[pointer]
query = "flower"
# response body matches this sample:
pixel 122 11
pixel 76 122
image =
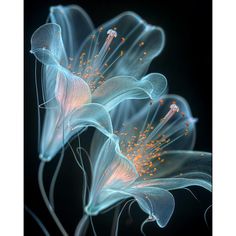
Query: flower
pixel 151 154
pixel 87 72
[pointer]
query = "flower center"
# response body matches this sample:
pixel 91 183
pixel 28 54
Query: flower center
pixel 98 58
pixel 146 146
pixel 94 63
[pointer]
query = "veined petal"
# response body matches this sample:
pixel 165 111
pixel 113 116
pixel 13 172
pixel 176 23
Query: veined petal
pixel 71 92
pixel 52 139
pixel 159 85
pixel 59 128
pixel 111 169
pixel 47 45
pixel 158 203
pixel 75 26
pixel 111 172
pixel 92 115
pixel 124 45
pixel 63 89
pixel 180 169
pixel 120 88
pixel 48 84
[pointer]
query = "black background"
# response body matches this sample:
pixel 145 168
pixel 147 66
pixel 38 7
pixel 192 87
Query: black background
pixel 186 61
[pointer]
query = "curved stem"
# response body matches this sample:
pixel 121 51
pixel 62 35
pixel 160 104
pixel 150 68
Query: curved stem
pixel 37 100
pixel 142 226
pixel 93 228
pixel 82 226
pixel 205 215
pixel 116 213
pixel 54 178
pixel 129 210
pixel 45 198
pixel 118 217
pixel 145 222
pixel 83 223
pixel 38 221
pixel 85 184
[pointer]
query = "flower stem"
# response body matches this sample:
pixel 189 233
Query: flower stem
pixel 45 198
pixel 82 226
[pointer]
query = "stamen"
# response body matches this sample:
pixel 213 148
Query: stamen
pixel 141 44
pixel 111 35
pixel 99 58
pixel 173 109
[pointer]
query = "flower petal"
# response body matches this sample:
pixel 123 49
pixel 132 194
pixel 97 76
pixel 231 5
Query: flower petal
pixel 75 26
pixel 92 115
pixel 111 172
pixel 111 168
pixel 58 128
pixel 47 45
pixel 129 52
pixel 159 85
pixel 71 92
pixel 121 88
pixel 63 89
pixel 156 202
pixel 180 169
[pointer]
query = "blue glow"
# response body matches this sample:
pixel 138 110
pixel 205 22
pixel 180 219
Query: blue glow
pixel 151 155
pixel 143 144
pixel 87 72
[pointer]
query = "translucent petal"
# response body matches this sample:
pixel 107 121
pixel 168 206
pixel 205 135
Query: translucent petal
pixel 111 173
pixel 75 26
pixel 92 115
pixel 159 85
pixel 63 89
pixel 58 128
pixel 129 53
pixel 48 47
pixel 48 84
pixel 53 136
pixel 156 202
pixel 71 92
pixel 180 169
pixel 120 88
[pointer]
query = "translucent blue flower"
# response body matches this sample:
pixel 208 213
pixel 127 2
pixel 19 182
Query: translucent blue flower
pixel 151 155
pixel 88 72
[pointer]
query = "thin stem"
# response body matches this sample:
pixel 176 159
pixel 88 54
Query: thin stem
pixel 38 221
pixel 118 218
pixel 116 213
pixel 191 193
pixel 142 226
pixel 129 210
pixel 82 226
pixel 54 178
pixel 94 231
pixel 45 198
pixel 37 100
pixel 85 185
pixel 205 214
pixel 81 166
pixel 146 221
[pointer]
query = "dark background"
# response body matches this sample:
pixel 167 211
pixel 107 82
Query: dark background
pixel 186 61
